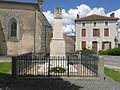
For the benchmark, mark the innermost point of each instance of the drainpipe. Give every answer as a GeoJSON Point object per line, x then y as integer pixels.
{"type": "Point", "coordinates": [35, 29]}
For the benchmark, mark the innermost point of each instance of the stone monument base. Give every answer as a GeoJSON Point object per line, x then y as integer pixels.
{"type": "Point", "coordinates": [57, 47]}
{"type": "Point", "coordinates": [59, 63]}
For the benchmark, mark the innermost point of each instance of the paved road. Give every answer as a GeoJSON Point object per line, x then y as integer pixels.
{"type": "Point", "coordinates": [112, 61]}
{"type": "Point", "coordinates": [5, 59]}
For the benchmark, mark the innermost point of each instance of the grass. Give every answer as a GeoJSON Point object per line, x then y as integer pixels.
{"type": "Point", "coordinates": [5, 67]}
{"type": "Point", "coordinates": [115, 75]}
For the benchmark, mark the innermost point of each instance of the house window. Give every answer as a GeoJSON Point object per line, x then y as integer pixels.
{"type": "Point", "coordinates": [83, 44]}
{"type": "Point", "coordinates": [106, 23]}
{"type": "Point", "coordinates": [96, 32]}
{"type": "Point", "coordinates": [83, 32]}
{"type": "Point", "coordinates": [94, 24]}
{"type": "Point", "coordinates": [13, 29]}
{"type": "Point", "coordinates": [83, 24]}
{"type": "Point", "coordinates": [106, 45]}
{"type": "Point", "coordinates": [106, 32]}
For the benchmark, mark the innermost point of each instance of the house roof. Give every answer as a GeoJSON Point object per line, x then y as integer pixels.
{"type": "Point", "coordinates": [16, 2]}
{"type": "Point", "coordinates": [95, 17]}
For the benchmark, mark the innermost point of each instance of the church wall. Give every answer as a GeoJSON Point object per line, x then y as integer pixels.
{"type": "Point", "coordinates": [26, 21]}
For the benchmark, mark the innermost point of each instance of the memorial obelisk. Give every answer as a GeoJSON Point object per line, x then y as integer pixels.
{"type": "Point", "coordinates": [57, 45]}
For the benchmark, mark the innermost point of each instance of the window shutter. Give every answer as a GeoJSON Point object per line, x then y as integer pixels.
{"type": "Point", "coordinates": [109, 45]}
{"type": "Point", "coordinates": [102, 45]}
{"type": "Point", "coordinates": [83, 44]}
{"type": "Point", "coordinates": [106, 32]}
{"type": "Point", "coordinates": [83, 32]}
{"type": "Point", "coordinates": [98, 32]}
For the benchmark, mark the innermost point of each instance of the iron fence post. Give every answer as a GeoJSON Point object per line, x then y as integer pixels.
{"type": "Point", "coordinates": [49, 66]}
{"type": "Point", "coordinates": [68, 66]}
{"type": "Point", "coordinates": [14, 67]}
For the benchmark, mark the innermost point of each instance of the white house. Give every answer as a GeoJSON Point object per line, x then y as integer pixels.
{"type": "Point", "coordinates": [96, 32]}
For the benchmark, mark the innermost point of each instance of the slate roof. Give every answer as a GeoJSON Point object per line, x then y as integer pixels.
{"type": "Point", "coordinates": [95, 17]}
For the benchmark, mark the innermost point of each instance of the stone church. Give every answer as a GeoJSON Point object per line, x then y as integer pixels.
{"type": "Point", "coordinates": [23, 28]}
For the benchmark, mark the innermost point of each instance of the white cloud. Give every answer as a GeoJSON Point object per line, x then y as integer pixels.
{"type": "Point", "coordinates": [99, 11]}
{"type": "Point", "coordinates": [83, 10]}
{"type": "Point", "coordinates": [70, 15]}
{"type": "Point", "coordinates": [49, 16]}
{"type": "Point", "coordinates": [117, 13]}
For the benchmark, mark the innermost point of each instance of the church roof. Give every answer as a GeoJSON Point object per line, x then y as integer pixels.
{"type": "Point", "coordinates": [95, 17]}
{"type": "Point", "coordinates": [43, 19]}
{"type": "Point", "coordinates": [40, 14]}
{"type": "Point", "coordinates": [16, 2]}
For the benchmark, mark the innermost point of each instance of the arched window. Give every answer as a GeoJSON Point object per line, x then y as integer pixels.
{"type": "Point", "coordinates": [14, 29]}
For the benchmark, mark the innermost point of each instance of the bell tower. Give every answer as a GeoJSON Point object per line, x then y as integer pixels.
{"type": "Point", "coordinates": [40, 3]}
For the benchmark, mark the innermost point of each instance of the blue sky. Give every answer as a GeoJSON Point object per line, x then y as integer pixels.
{"type": "Point", "coordinates": [70, 8]}
{"type": "Point", "coordinates": [108, 5]}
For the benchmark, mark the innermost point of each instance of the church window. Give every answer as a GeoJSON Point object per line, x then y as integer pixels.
{"type": "Point", "coordinates": [14, 29]}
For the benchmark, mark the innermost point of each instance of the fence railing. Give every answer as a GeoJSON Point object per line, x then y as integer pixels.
{"type": "Point", "coordinates": [37, 65]}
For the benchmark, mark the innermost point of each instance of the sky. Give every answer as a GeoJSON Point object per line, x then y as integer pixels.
{"type": "Point", "coordinates": [108, 5]}
{"type": "Point", "coordinates": [70, 8]}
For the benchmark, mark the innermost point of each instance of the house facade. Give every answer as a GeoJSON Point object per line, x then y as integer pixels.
{"type": "Point", "coordinates": [23, 28]}
{"type": "Point", "coordinates": [96, 32]}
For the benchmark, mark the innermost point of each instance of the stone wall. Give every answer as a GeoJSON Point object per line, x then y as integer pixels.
{"type": "Point", "coordinates": [28, 24]}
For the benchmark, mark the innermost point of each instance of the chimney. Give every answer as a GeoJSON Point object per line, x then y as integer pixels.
{"type": "Point", "coordinates": [112, 15]}
{"type": "Point", "coordinates": [78, 16]}
{"type": "Point", "coordinates": [40, 3]}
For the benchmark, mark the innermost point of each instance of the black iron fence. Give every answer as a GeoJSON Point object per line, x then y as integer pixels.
{"type": "Point", "coordinates": [42, 65]}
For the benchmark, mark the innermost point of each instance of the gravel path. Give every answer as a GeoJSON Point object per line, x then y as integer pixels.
{"type": "Point", "coordinates": [57, 84]}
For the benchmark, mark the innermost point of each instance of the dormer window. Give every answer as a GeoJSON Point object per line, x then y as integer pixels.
{"type": "Point", "coordinates": [106, 23]}
{"type": "Point", "coordinates": [94, 24]}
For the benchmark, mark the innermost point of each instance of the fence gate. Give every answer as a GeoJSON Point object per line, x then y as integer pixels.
{"type": "Point", "coordinates": [37, 65]}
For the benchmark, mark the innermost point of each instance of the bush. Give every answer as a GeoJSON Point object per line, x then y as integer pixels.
{"type": "Point", "coordinates": [57, 70]}
{"type": "Point", "coordinates": [114, 51]}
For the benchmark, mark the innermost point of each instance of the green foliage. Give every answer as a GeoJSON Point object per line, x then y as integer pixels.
{"type": "Point", "coordinates": [115, 75]}
{"type": "Point", "coordinates": [5, 67]}
{"type": "Point", "coordinates": [114, 51]}
{"type": "Point", "coordinates": [57, 70]}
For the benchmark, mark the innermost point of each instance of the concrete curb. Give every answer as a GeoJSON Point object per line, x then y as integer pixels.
{"type": "Point", "coordinates": [112, 67]}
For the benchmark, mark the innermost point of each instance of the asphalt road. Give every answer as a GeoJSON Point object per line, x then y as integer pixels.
{"type": "Point", "coordinates": [113, 61]}
{"type": "Point", "coordinates": [5, 59]}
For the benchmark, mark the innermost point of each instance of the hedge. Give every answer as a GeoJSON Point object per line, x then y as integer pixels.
{"type": "Point", "coordinates": [114, 52]}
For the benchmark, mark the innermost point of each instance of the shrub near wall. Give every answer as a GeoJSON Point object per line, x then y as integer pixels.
{"type": "Point", "coordinates": [114, 52]}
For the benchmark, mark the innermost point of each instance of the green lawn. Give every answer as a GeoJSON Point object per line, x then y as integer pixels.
{"type": "Point", "coordinates": [5, 67]}
{"type": "Point", "coordinates": [115, 75]}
